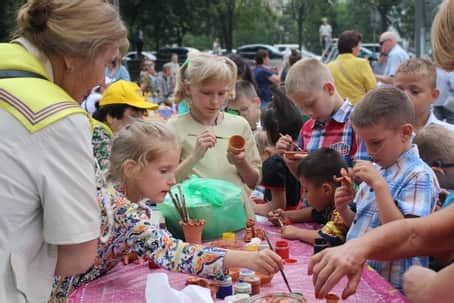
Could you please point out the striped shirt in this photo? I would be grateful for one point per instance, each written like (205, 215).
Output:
(415, 189)
(336, 133)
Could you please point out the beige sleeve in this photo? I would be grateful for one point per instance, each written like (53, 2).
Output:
(65, 177)
(252, 152)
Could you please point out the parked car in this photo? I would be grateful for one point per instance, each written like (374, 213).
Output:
(164, 54)
(248, 53)
(133, 55)
(286, 49)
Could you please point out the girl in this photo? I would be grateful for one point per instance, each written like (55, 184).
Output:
(206, 81)
(282, 189)
(120, 103)
(145, 153)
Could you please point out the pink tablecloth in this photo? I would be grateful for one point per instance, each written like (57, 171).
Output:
(127, 283)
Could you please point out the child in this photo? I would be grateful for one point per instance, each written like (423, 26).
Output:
(142, 165)
(417, 77)
(121, 102)
(282, 189)
(316, 172)
(436, 147)
(246, 103)
(397, 184)
(310, 86)
(203, 133)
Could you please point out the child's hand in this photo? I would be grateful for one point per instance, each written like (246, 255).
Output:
(265, 261)
(365, 171)
(204, 141)
(289, 232)
(345, 193)
(236, 159)
(275, 215)
(284, 144)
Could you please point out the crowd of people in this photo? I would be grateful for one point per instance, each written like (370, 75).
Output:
(83, 155)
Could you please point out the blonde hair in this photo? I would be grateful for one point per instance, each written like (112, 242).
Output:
(307, 75)
(200, 68)
(80, 28)
(262, 141)
(435, 142)
(419, 67)
(443, 35)
(142, 142)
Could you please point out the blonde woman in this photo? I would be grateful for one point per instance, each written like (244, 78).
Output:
(207, 81)
(50, 220)
(143, 162)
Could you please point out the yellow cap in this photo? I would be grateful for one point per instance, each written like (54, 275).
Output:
(125, 92)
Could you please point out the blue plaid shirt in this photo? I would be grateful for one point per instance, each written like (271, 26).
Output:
(415, 189)
(336, 133)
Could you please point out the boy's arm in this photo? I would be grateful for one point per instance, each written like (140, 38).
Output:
(278, 201)
(347, 215)
(387, 208)
(294, 233)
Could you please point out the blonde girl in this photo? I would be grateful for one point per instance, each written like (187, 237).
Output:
(143, 162)
(207, 81)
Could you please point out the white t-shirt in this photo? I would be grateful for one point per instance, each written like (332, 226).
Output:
(325, 30)
(48, 197)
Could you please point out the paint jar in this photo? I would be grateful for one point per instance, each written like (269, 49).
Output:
(243, 288)
(246, 274)
(255, 285)
(225, 287)
(282, 249)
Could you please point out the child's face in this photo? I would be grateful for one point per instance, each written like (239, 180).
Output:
(248, 109)
(208, 98)
(385, 144)
(155, 179)
(317, 104)
(319, 196)
(419, 89)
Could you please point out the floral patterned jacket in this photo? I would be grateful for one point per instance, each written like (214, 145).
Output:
(133, 232)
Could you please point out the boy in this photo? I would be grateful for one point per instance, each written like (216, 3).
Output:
(397, 184)
(316, 172)
(311, 87)
(246, 103)
(418, 79)
(436, 147)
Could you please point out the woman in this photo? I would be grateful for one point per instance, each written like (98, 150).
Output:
(353, 76)
(120, 103)
(50, 219)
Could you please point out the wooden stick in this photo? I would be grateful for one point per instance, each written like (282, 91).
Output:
(183, 200)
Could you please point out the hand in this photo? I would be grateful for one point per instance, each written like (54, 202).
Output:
(265, 261)
(204, 141)
(417, 280)
(343, 196)
(275, 215)
(284, 144)
(290, 232)
(236, 159)
(331, 264)
(365, 171)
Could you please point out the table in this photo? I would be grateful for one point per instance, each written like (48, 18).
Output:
(127, 283)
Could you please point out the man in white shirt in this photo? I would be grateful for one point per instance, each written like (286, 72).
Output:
(396, 56)
(326, 32)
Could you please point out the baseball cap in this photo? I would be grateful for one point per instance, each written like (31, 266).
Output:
(125, 92)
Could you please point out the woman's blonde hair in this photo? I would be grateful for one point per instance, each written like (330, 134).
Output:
(80, 28)
(142, 142)
(443, 35)
(199, 68)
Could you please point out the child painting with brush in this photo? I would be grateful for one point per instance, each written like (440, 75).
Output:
(143, 162)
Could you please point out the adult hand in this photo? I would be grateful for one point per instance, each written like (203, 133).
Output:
(204, 141)
(417, 280)
(265, 261)
(331, 264)
(365, 171)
